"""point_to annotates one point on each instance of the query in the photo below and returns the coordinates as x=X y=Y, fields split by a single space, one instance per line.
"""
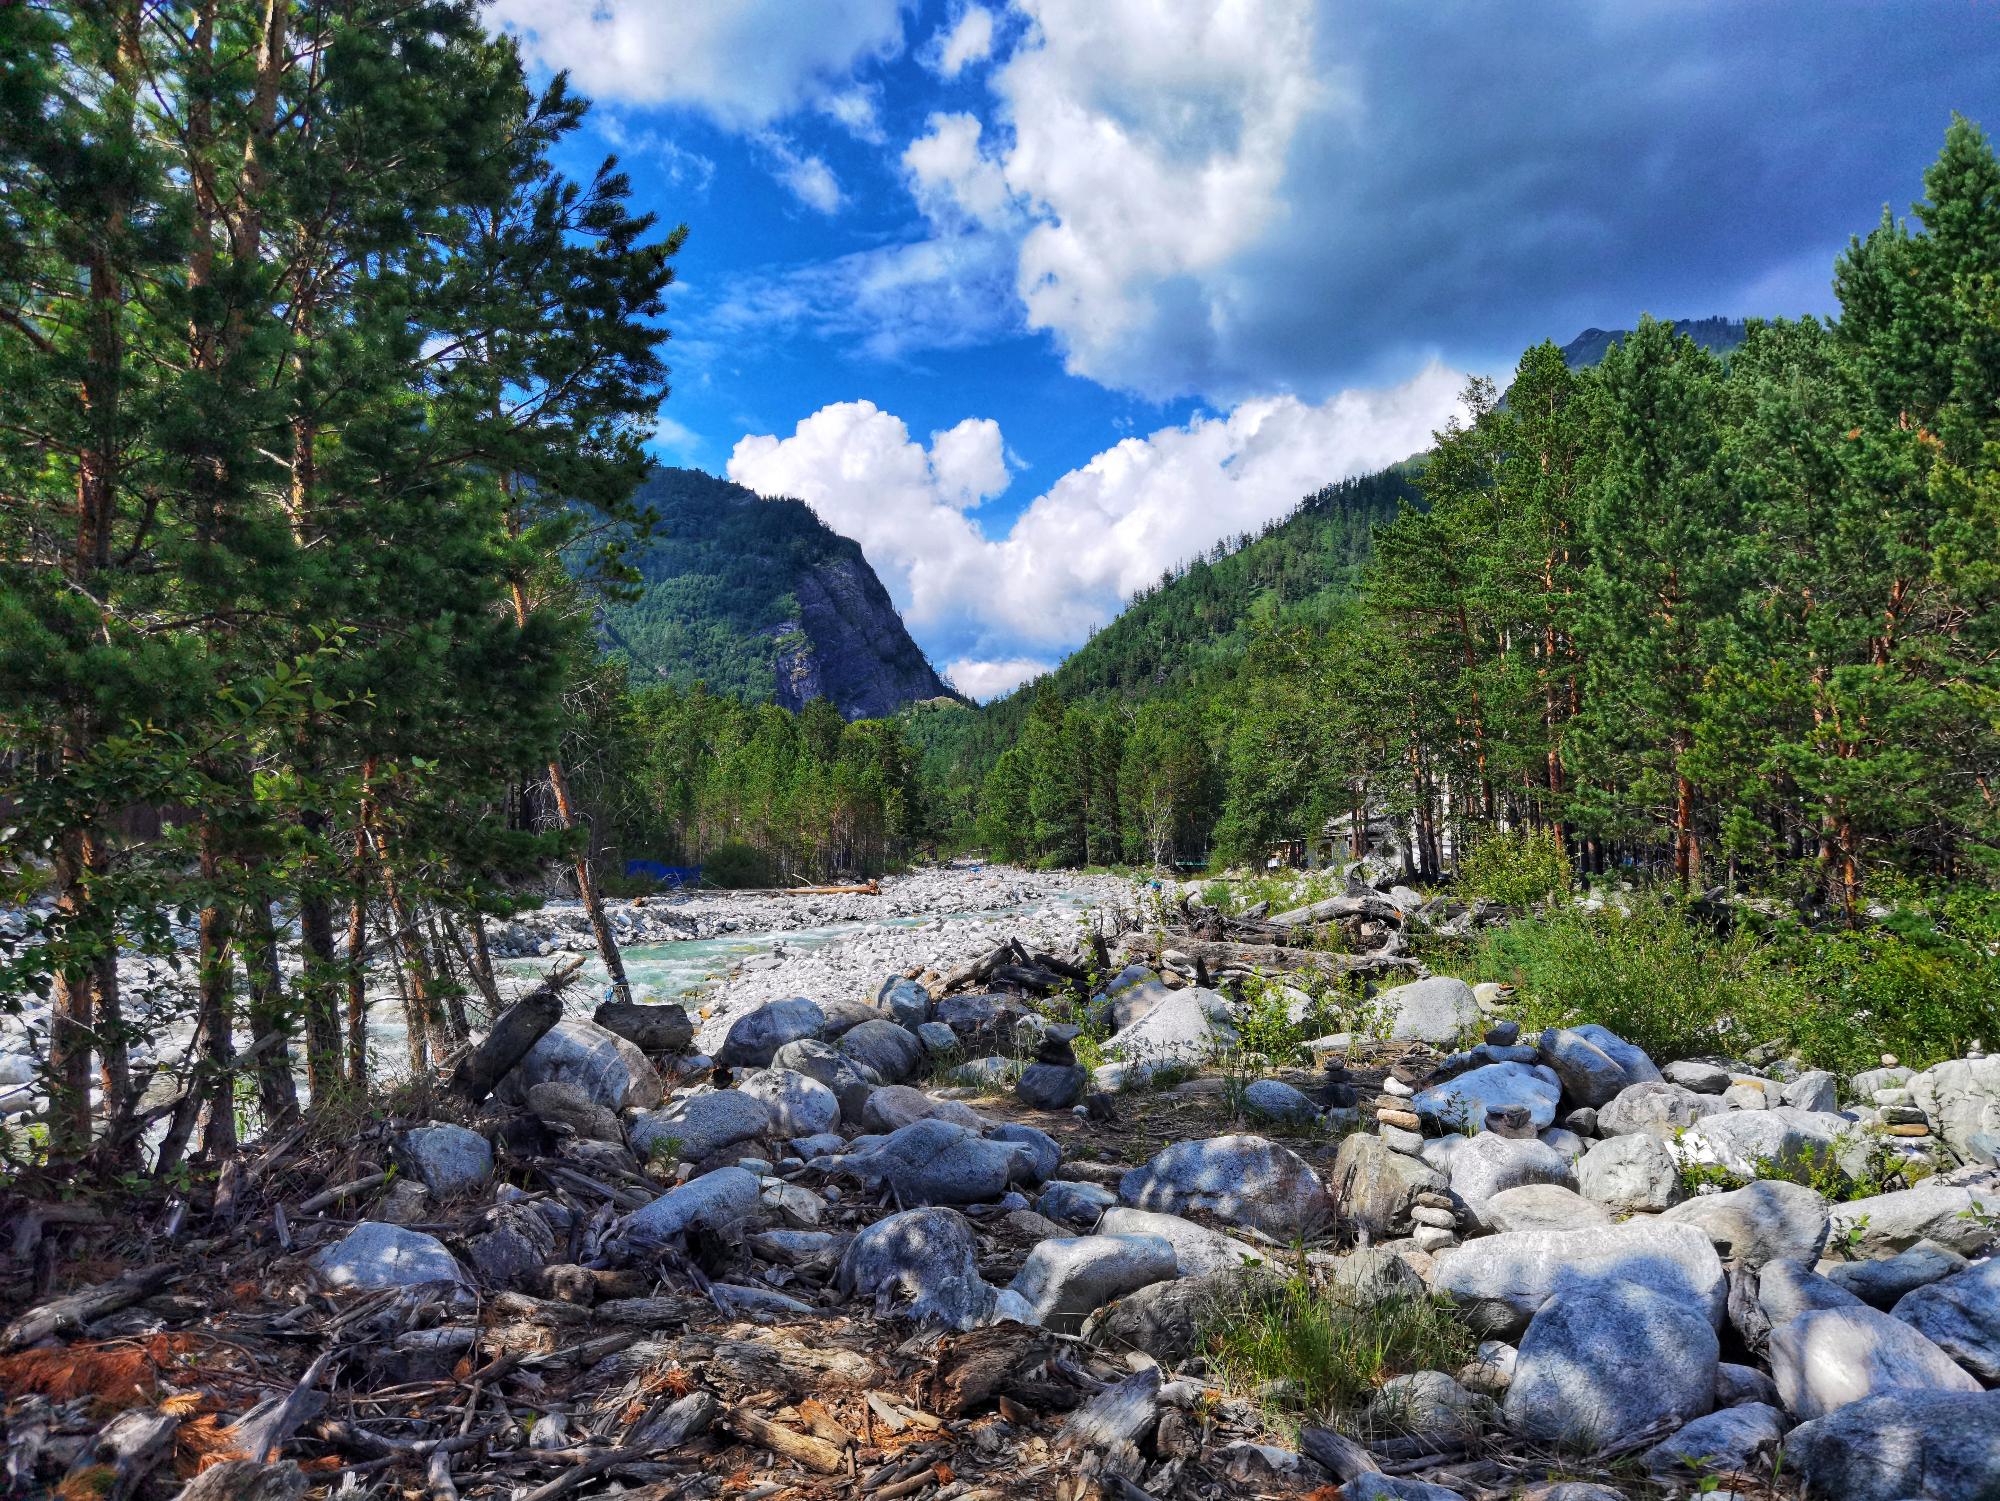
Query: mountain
x=1193 y=627
x=1717 y=335
x=763 y=600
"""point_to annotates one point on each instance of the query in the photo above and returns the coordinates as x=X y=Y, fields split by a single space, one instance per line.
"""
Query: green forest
x=1712 y=617
x=324 y=395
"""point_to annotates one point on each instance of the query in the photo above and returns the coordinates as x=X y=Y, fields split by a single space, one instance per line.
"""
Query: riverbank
x=725 y=953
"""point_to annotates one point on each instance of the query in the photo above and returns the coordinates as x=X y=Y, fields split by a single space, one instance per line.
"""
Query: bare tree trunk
x=71 y=1020
x=586 y=881
x=276 y=1091
x=357 y=938
x=217 y=985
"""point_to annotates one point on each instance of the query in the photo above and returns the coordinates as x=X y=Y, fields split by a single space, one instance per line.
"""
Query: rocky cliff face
x=848 y=645
x=762 y=599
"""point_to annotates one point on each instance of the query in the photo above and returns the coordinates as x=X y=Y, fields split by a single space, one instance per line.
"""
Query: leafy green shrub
x=737 y=866
x=1655 y=976
x=1923 y=983
x=1517 y=868
x=1311 y=1355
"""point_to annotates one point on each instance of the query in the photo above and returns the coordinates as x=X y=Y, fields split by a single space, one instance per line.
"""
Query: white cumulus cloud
x=969 y=40
x=744 y=63
x=1100 y=532
x=982 y=679
x=810 y=180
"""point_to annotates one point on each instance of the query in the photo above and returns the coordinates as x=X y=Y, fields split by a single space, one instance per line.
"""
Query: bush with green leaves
x=1517 y=868
x=1923 y=982
x=1660 y=979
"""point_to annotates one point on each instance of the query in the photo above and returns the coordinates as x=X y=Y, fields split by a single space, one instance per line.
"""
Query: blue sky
x=1035 y=297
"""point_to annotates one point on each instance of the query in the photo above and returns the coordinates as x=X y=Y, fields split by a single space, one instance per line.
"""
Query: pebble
x=1402 y=1119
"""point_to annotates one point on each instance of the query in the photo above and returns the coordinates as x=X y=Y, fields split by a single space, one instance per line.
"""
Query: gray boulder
x=1439 y=1010
x=892 y=1052
x=607 y=1068
x=1902 y=1446
x=1186 y=1027
x=1540 y=1206
x=1607 y=1358
x=374 y=1255
x=1880 y=1284
x=1962 y=1098
x=1198 y=1250
x=1167 y=1319
x=843 y=1015
x=1490 y=1164
x=1961 y=1316
x=1828 y=1358
x=1066 y=1278
x=1070 y=1203
x=1631 y=1174
x=799 y=1105
x=938 y=1040
x=513 y=1249
x=1755 y=1143
x=907 y=1002
x=1461 y=1103
x=1246 y=1180
x=1702 y=1078
x=1738 y=1384
x=1946 y=1214
x=1051 y=1086
x=448 y=1159
x=754 y=1038
x=937 y=1162
x=565 y=1107
x=1430 y=1403
x=718 y=1201
x=1367 y=1275
x=1275 y=1100
x=1502 y=1280
x=1375 y=1186
x=924 y=1262
x=699 y=1125
x=894 y=1106
x=1737 y=1440
x=1657 y=1108
x=1787 y=1289
x=1045 y=1152
x=1815 y=1089
x=1767 y=1221
x=981 y=1021
x=823 y=1062
x=1594 y=1063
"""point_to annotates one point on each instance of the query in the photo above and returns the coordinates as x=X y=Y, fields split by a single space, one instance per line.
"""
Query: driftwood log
x=68 y=1315
x=130 y=1446
x=517 y=1029
x=1262 y=956
x=801 y=1449
x=649 y=1028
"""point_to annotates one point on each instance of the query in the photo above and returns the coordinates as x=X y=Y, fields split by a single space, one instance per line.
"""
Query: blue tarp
x=666 y=875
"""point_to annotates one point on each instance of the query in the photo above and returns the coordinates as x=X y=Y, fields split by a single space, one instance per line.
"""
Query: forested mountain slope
x=761 y=600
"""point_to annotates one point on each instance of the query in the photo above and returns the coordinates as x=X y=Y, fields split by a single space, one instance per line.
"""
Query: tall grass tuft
x=1307 y=1356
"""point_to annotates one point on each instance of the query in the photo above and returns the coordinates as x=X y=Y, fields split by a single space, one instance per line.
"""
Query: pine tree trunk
x=217 y=1019
x=482 y=963
x=320 y=977
x=357 y=941
x=71 y=1018
x=276 y=1090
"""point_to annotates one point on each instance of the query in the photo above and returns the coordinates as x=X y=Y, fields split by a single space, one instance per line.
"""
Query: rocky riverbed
x=848 y=1246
